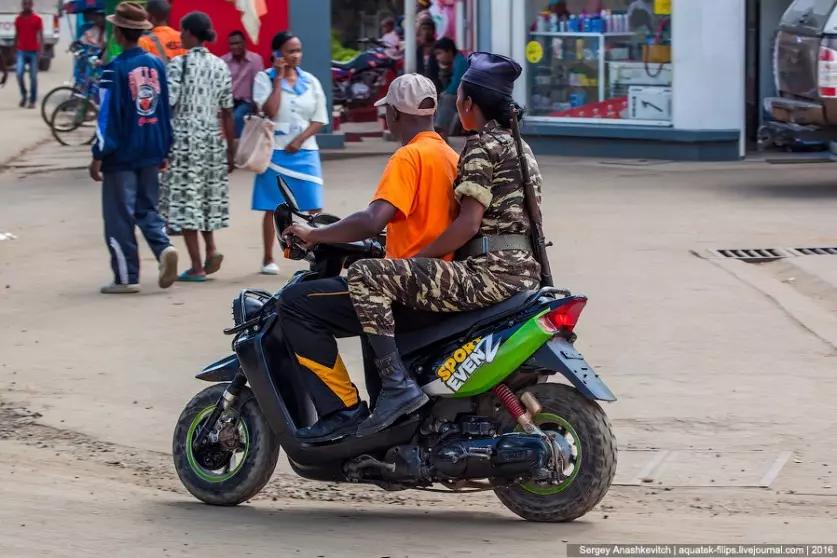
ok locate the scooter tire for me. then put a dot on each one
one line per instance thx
(256, 467)
(595, 469)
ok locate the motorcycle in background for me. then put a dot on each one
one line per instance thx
(365, 78)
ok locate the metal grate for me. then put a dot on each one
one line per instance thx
(750, 255)
(816, 251)
(762, 255)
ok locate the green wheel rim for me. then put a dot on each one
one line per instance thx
(540, 490)
(210, 476)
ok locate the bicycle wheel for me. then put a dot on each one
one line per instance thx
(53, 99)
(73, 122)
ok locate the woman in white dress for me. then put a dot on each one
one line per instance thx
(296, 102)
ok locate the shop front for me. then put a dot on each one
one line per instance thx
(628, 78)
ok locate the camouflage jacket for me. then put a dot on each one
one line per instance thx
(489, 173)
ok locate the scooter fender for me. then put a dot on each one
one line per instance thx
(559, 354)
(222, 371)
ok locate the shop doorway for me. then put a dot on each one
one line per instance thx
(763, 17)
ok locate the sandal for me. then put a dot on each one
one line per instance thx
(213, 263)
(187, 277)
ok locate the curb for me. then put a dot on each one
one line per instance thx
(800, 308)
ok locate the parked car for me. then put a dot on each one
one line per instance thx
(50, 13)
(805, 68)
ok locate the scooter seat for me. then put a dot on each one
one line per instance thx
(347, 65)
(448, 325)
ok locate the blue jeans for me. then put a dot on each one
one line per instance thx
(129, 200)
(29, 57)
(239, 113)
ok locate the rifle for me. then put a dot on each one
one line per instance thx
(533, 210)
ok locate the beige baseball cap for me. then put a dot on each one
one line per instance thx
(407, 92)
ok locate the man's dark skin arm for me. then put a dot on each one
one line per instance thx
(357, 226)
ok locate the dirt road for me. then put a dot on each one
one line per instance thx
(718, 386)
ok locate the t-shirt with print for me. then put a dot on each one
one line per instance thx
(418, 181)
(27, 28)
(169, 39)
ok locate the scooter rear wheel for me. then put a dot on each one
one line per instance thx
(232, 472)
(585, 426)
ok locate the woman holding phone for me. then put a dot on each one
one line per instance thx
(296, 102)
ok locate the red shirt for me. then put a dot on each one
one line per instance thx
(28, 27)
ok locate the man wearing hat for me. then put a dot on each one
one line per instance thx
(414, 201)
(133, 138)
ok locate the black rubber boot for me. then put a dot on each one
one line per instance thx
(335, 425)
(399, 396)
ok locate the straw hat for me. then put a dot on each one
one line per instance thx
(130, 15)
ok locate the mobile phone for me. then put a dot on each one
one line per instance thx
(277, 55)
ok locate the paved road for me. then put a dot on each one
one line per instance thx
(709, 371)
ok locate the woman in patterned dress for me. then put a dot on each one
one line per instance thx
(195, 194)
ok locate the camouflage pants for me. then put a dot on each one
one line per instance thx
(431, 285)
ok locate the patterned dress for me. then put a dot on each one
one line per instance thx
(195, 189)
(489, 173)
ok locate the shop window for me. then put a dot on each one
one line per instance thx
(600, 60)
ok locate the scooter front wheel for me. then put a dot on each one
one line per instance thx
(237, 459)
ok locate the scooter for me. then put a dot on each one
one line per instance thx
(363, 79)
(492, 423)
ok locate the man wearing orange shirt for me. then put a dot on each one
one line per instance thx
(162, 41)
(415, 202)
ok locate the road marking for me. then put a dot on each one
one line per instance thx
(646, 474)
(775, 469)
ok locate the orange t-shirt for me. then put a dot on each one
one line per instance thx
(418, 181)
(169, 39)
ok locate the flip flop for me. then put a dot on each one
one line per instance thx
(187, 277)
(213, 263)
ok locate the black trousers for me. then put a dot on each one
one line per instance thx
(313, 315)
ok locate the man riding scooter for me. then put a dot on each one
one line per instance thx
(415, 203)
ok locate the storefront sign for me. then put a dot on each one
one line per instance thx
(534, 52)
(662, 7)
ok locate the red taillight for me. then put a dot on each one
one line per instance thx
(56, 23)
(565, 317)
(827, 72)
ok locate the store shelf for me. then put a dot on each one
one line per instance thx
(579, 34)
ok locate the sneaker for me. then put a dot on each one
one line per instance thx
(270, 269)
(31, 105)
(168, 267)
(22, 103)
(119, 288)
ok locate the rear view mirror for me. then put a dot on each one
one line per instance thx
(287, 194)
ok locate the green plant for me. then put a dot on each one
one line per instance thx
(340, 53)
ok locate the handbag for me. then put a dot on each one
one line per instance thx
(255, 147)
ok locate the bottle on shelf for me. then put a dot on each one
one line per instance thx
(573, 24)
(553, 23)
(541, 24)
(605, 17)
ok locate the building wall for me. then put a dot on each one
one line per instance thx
(708, 61)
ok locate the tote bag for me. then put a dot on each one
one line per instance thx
(255, 147)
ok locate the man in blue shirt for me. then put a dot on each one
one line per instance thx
(133, 138)
(452, 66)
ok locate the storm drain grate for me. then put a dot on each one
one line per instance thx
(816, 251)
(762, 255)
(751, 255)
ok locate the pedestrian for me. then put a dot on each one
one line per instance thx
(134, 137)
(426, 63)
(452, 66)
(244, 66)
(95, 36)
(196, 185)
(390, 38)
(29, 43)
(296, 102)
(162, 40)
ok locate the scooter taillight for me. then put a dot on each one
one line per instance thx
(565, 317)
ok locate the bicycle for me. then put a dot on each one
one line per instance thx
(80, 110)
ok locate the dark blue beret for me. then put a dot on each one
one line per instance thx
(492, 71)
